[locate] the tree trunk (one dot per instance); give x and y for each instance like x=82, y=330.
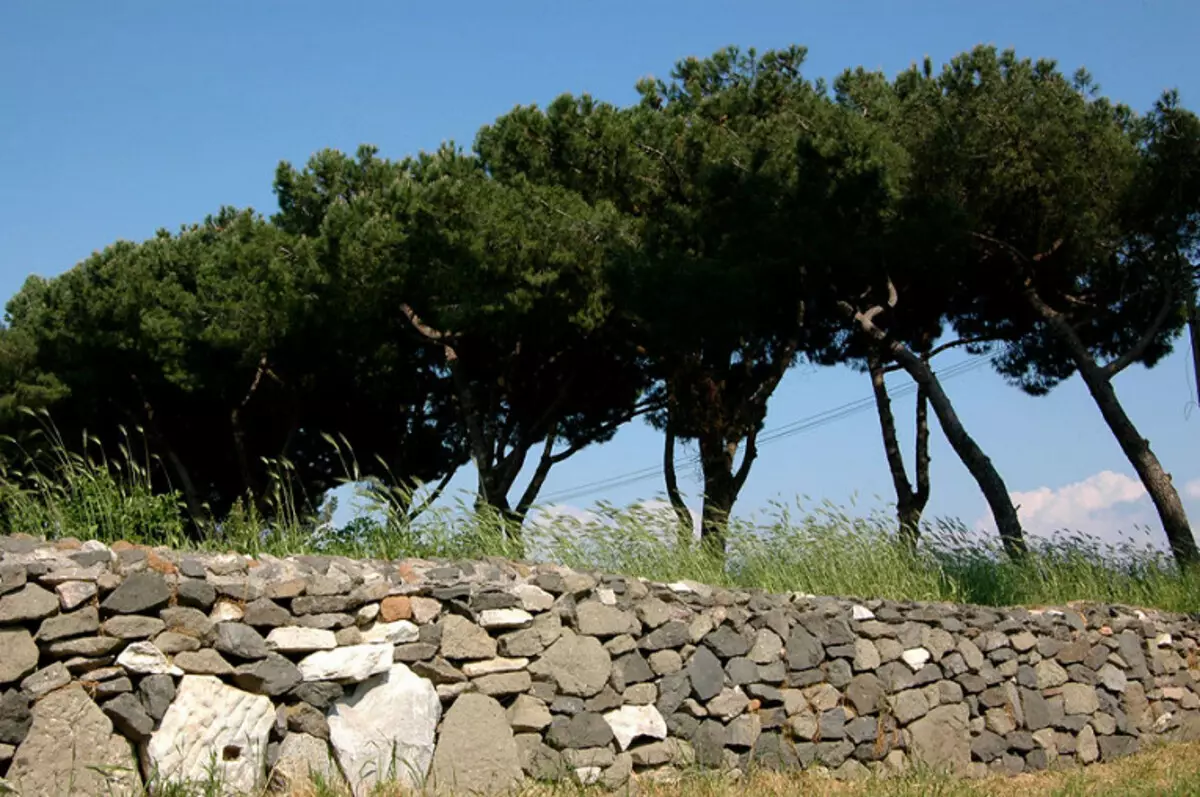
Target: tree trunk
x=721, y=486
x=1136, y=448
x=1155, y=478
x=1194, y=334
x=909, y=503
x=683, y=518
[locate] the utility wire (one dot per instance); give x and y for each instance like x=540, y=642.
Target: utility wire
x=781, y=433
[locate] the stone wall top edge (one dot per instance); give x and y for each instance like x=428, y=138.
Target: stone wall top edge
x=263, y=574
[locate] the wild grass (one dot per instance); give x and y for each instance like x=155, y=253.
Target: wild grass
x=59, y=492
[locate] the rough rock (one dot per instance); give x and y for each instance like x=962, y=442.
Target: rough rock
x=71, y=744
x=46, y=680
x=64, y=626
x=631, y=722
x=706, y=674
x=579, y=665
x=462, y=639
x=385, y=728
x=300, y=757
x=476, y=752
x=129, y=717
x=272, y=676
x=205, y=716
x=352, y=663
x=132, y=626
x=595, y=619
x=298, y=639
x=579, y=731
x=30, y=602
x=941, y=739
x=142, y=658
x=139, y=592
x=239, y=640
x=18, y=655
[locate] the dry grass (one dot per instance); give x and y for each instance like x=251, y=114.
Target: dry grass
x=1170, y=770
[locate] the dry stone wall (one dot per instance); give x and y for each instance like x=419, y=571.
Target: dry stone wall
x=124, y=668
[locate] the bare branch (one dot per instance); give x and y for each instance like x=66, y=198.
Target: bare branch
x=1111, y=369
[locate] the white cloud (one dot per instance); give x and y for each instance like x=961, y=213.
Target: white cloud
x=1104, y=505
x=1192, y=489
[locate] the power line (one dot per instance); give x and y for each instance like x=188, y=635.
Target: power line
x=781, y=433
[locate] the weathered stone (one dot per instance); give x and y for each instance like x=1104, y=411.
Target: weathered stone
x=476, y=752
x=665, y=662
x=727, y=643
x=941, y=739
x=528, y=714
x=708, y=742
x=583, y=730
x=297, y=639
x=462, y=639
x=499, y=684
x=183, y=619
x=266, y=612
x=72, y=594
x=64, y=626
x=1112, y=678
x=30, y=602
x=172, y=642
x=1080, y=699
x=46, y=680
x=909, y=705
x=212, y=716
x=240, y=641
x=672, y=634
x=504, y=618
x=1050, y=674
x=71, y=745
x=706, y=674
x=195, y=594
x=129, y=717
x=203, y=662
x=595, y=619
x=865, y=693
x=474, y=669
x=399, y=632
x=15, y=718
x=18, y=655
x=139, y=592
x=631, y=722
x=301, y=756
x=273, y=675
x=156, y=693
x=385, y=729
x=353, y=663
x=579, y=665
x=804, y=651
x=533, y=598
x=321, y=694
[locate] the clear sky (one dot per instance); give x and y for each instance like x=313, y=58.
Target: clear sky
x=118, y=118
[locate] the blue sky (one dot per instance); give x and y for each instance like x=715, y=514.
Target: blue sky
x=119, y=118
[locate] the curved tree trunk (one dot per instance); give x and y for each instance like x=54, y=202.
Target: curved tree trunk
x=721, y=486
x=683, y=518
x=978, y=464
x=1136, y=448
x=910, y=503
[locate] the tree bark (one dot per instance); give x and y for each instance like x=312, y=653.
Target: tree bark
x=722, y=485
x=910, y=503
x=683, y=517
x=1136, y=448
x=1194, y=335
x=1008, y=524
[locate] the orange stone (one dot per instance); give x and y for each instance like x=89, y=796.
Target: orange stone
x=162, y=565
x=68, y=544
x=123, y=545
x=397, y=607
x=754, y=706
x=407, y=574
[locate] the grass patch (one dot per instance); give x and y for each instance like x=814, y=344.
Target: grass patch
x=824, y=550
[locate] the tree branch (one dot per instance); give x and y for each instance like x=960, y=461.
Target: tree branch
x=1127, y=359
x=748, y=457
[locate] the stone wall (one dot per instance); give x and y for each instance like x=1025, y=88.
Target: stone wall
x=129, y=666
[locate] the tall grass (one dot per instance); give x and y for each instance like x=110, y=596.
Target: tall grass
x=823, y=549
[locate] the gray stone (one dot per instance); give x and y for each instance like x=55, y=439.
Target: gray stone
x=172, y=642
x=439, y=671
x=12, y=577
x=1112, y=679
x=30, y=602
x=595, y=619
x=499, y=684
x=665, y=662
x=195, y=594
x=706, y=674
x=585, y=729
x=1113, y=747
x=18, y=655
x=240, y=641
x=15, y=718
x=46, y=680
x=476, y=752
x=462, y=639
x=321, y=694
x=579, y=665
x=865, y=693
x=909, y=705
x=768, y=647
x=71, y=741
x=266, y=612
x=64, y=626
x=301, y=756
x=1080, y=699
x=129, y=717
x=731, y=702
x=273, y=675
x=672, y=634
x=528, y=714
x=941, y=739
x=203, y=662
x=708, y=742
x=156, y=693
x=631, y=669
x=804, y=651
x=93, y=646
x=139, y=592
x=727, y=643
